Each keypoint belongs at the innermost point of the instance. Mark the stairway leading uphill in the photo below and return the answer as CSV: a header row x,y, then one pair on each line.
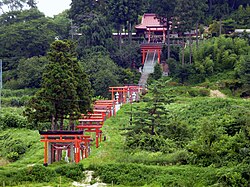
x,y
151,60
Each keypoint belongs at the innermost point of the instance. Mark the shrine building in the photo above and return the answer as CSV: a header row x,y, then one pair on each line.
x,y
154,34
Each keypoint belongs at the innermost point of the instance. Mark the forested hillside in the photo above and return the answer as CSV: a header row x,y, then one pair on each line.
x,y
190,128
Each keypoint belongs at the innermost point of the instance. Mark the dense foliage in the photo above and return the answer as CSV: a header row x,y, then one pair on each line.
x,y
210,131
177,135
65,92
217,55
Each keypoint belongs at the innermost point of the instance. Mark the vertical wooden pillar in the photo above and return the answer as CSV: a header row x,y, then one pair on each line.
x,y
57,155
124,95
143,56
45,152
110,111
159,56
112,91
149,35
76,150
86,149
52,154
96,138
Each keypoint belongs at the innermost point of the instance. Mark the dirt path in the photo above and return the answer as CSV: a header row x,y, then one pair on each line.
x,y
87,181
217,93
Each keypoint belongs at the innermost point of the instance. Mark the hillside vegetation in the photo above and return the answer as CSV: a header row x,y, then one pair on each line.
x,y
191,128
199,141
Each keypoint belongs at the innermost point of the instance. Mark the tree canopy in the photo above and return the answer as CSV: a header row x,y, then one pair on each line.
x,y
65,91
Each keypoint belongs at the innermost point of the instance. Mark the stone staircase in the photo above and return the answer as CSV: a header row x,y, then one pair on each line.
x,y
148,67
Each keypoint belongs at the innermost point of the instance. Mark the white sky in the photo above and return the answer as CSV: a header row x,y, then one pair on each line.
x,y
53,7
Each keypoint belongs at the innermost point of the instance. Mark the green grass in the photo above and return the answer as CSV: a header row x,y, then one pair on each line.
x,y
117,165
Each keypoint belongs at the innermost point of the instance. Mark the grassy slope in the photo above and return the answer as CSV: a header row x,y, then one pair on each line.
x,y
112,151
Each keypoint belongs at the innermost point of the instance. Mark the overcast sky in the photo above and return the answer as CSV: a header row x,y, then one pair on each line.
x,y
53,7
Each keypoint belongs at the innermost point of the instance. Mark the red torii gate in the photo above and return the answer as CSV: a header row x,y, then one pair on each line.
x,y
110,105
72,141
92,122
92,128
121,94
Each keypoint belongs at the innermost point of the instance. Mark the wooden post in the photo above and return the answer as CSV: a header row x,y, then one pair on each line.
x,y
57,155
149,35
86,149
159,56
112,90
76,150
97,137
45,152
143,56
124,95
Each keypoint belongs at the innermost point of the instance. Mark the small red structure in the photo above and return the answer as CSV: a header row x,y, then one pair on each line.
x,y
155,33
92,128
151,28
93,122
75,144
125,94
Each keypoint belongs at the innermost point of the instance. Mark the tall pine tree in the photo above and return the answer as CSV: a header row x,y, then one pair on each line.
x,y
65,91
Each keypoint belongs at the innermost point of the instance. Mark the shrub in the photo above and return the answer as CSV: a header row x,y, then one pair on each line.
x,y
236,176
36,174
72,171
195,92
10,120
13,156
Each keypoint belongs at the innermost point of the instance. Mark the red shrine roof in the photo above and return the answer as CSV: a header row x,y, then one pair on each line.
x,y
149,20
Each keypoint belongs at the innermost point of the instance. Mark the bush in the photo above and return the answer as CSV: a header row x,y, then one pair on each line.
x,y
195,92
36,174
13,156
141,175
236,176
72,171
16,142
179,157
10,120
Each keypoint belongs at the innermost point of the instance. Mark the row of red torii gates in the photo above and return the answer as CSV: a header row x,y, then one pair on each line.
x,y
74,145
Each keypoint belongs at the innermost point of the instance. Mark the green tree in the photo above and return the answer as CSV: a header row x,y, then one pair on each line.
x,y
31,3
95,34
165,12
12,4
157,74
188,14
221,9
24,34
148,127
30,72
102,71
65,88
243,72
118,10
83,11
129,56
134,10
61,25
